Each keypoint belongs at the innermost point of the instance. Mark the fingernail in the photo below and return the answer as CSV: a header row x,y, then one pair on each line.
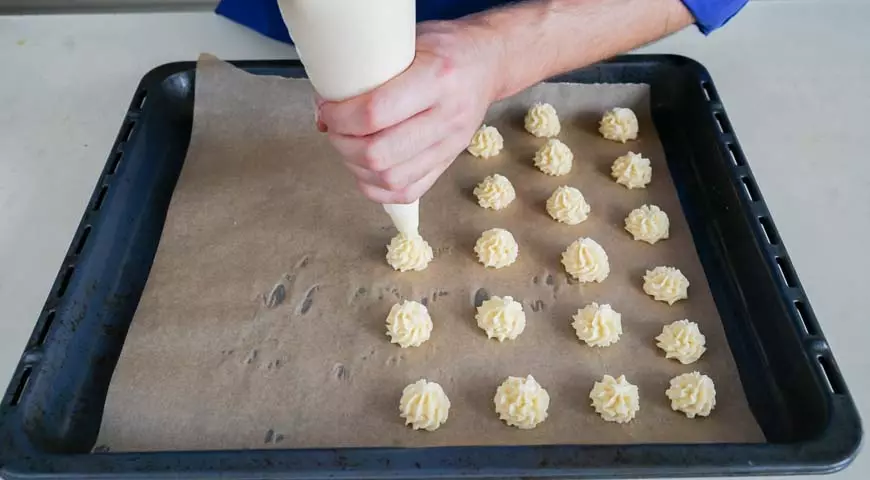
x,y
321,127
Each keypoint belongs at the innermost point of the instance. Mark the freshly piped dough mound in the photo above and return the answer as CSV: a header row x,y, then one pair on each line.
x,y
648,223
554,158
521,402
666,284
409,252
495,192
424,405
619,125
409,324
542,120
501,318
586,261
693,394
682,340
598,325
496,248
487,142
632,170
567,205
615,399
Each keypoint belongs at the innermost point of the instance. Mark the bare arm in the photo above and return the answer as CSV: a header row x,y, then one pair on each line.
x,y
400,137
539,39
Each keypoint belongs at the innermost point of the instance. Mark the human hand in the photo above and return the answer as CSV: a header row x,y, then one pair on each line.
x,y
399,138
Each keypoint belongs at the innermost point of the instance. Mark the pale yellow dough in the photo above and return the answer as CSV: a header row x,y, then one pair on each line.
x,y
693,394
554,158
683,341
586,261
424,405
615,399
496,248
619,125
495,192
632,170
521,402
598,325
648,223
567,205
487,142
666,284
542,121
409,324
501,318
409,252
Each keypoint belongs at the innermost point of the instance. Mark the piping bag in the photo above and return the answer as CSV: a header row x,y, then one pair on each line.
x,y
349,47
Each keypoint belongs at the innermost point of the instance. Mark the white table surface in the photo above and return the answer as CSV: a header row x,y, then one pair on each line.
x,y
794,76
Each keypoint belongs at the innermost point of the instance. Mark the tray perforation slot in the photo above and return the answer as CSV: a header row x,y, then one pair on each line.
x,y
83,239
786,271
724,127
751,189
832,375
736,155
127,131
806,318
139,99
100,197
23,380
769,230
709,92
64,281
116,160
44,328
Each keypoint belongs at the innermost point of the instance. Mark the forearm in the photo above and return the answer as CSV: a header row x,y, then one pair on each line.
x,y
541,38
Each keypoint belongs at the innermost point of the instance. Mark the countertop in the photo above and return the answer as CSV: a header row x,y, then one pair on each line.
x,y
792,74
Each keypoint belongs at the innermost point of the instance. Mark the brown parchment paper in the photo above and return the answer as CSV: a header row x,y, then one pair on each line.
x,y
218,358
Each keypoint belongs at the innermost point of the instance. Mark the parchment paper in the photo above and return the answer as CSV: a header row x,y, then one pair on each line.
x,y
217,357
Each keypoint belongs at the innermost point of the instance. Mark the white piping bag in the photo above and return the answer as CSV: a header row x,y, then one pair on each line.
x,y
349,47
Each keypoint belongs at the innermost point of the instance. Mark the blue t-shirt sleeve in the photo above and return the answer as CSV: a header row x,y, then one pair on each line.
x,y
264,16
712,14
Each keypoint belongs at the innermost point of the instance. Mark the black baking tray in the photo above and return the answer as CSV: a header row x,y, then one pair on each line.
x,y
50,414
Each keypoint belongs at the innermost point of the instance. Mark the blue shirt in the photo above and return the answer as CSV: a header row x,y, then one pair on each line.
x,y
264,17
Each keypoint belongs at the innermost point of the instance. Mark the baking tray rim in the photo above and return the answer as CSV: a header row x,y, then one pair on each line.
x,y
545,460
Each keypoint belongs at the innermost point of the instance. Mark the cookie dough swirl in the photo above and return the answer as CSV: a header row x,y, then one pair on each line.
x,y
586,261
648,223
409,324
542,121
666,284
487,142
598,325
521,402
619,125
567,205
501,318
615,399
424,405
693,394
632,171
495,192
496,248
683,341
554,158
409,252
